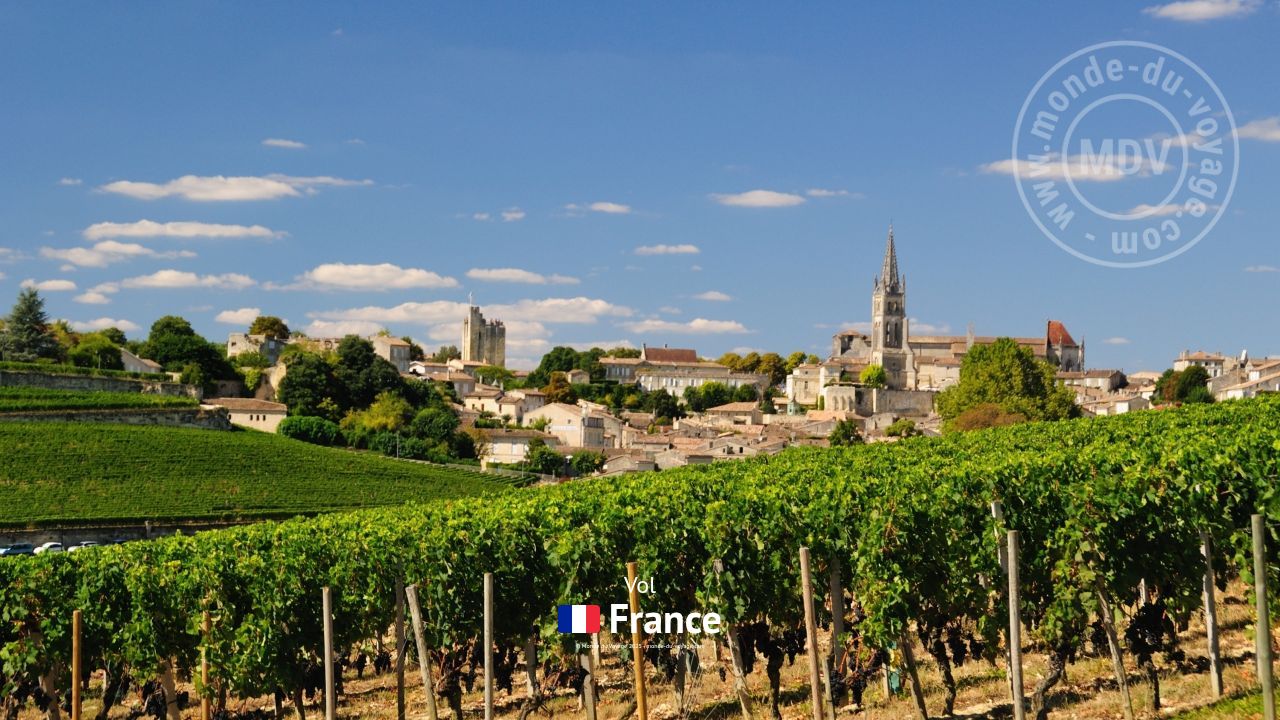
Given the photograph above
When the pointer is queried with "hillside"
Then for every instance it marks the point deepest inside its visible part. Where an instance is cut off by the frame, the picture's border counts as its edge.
(25, 399)
(57, 473)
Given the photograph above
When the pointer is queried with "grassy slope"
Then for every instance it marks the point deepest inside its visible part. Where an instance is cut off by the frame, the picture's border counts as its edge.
(79, 473)
(24, 399)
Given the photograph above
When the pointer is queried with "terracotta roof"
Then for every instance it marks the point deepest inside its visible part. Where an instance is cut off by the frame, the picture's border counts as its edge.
(1058, 334)
(734, 407)
(1201, 355)
(506, 433)
(247, 404)
(663, 354)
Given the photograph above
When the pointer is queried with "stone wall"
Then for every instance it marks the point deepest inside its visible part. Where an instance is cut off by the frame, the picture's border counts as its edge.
(203, 418)
(89, 383)
(902, 402)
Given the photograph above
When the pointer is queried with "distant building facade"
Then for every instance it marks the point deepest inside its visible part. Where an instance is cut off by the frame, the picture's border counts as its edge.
(483, 340)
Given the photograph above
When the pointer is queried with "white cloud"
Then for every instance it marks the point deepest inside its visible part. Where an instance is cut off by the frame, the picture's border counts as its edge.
(697, 326)
(9, 255)
(1116, 341)
(243, 316)
(575, 310)
(341, 328)
(2, 276)
(107, 252)
(670, 310)
(283, 143)
(516, 275)
(219, 188)
(610, 207)
(103, 323)
(481, 216)
(1199, 10)
(758, 199)
(70, 181)
(150, 228)
(1267, 129)
(384, 276)
(179, 279)
(1080, 168)
(512, 214)
(667, 250)
(1262, 269)
(713, 296)
(92, 297)
(603, 344)
(825, 193)
(354, 141)
(49, 285)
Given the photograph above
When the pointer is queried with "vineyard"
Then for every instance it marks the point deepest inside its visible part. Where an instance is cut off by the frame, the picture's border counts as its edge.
(76, 370)
(63, 474)
(905, 532)
(25, 399)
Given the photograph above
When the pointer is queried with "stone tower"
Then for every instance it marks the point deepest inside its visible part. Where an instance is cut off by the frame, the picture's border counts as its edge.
(889, 347)
(483, 340)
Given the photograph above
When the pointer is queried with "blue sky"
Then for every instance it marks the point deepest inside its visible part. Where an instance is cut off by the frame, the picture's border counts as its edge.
(354, 166)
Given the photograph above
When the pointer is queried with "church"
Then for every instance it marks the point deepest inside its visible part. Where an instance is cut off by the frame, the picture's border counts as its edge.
(919, 362)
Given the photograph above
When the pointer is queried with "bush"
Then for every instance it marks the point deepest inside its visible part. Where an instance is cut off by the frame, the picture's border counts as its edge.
(902, 428)
(315, 430)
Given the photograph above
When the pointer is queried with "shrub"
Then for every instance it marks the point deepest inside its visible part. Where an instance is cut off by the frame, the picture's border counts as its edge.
(314, 430)
(902, 428)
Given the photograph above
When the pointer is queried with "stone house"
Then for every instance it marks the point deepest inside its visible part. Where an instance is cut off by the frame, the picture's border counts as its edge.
(133, 363)
(257, 414)
(510, 447)
(393, 350)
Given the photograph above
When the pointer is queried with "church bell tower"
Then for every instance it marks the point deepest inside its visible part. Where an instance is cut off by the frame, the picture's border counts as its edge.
(889, 348)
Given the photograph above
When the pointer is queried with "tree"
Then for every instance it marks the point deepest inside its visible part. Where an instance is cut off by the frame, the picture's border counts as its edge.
(873, 376)
(586, 462)
(663, 405)
(115, 335)
(542, 459)
(1010, 377)
(1183, 386)
(96, 351)
(558, 390)
(795, 360)
(66, 336)
(310, 387)
(902, 427)
(709, 395)
(745, 393)
(445, 354)
(560, 359)
(774, 366)
(363, 373)
(314, 430)
(269, 325)
(175, 345)
(434, 423)
(986, 415)
(493, 375)
(388, 413)
(845, 433)
(766, 402)
(27, 336)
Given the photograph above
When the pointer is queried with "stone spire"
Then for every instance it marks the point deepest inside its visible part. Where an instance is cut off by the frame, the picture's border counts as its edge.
(889, 279)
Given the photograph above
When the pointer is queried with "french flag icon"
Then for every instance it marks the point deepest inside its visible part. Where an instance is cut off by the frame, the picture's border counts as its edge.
(579, 618)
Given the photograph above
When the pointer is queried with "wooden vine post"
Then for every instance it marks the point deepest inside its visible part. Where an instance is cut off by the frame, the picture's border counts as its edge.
(637, 651)
(488, 646)
(811, 634)
(835, 594)
(1211, 616)
(735, 659)
(424, 660)
(1117, 663)
(589, 684)
(330, 701)
(1015, 626)
(909, 659)
(206, 626)
(401, 648)
(1264, 619)
(77, 622)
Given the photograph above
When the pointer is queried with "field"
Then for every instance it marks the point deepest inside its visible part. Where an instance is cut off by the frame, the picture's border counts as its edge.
(902, 537)
(70, 474)
(26, 399)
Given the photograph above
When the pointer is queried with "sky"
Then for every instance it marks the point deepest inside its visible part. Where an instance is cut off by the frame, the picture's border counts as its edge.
(711, 175)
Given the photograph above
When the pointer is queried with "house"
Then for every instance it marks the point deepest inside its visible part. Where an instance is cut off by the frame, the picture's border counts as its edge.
(1251, 388)
(674, 370)
(1117, 404)
(511, 447)
(578, 377)
(133, 363)
(463, 384)
(1107, 380)
(257, 414)
(626, 461)
(571, 425)
(1213, 363)
(266, 345)
(393, 350)
(736, 413)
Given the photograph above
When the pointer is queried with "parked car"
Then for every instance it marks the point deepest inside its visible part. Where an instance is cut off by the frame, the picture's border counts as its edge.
(18, 549)
(49, 547)
(82, 545)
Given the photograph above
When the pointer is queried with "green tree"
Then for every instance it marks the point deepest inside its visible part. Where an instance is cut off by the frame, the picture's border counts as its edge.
(27, 335)
(493, 375)
(115, 335)
(269, 325)
(416, 353)
(175, 345)
(1010, 377)
(745, 393)
(902, 427)
(559, 359)
(542, 459)
(709, 395)
(586, 462)
(873, 376)
(388, 413)
(795, 360)
(95, 350)
(774, 366)
(1192, 386)
(663, 405)
(434, 423)
(311, 388)
(845, 433)
(445, 354)
(364, 374)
